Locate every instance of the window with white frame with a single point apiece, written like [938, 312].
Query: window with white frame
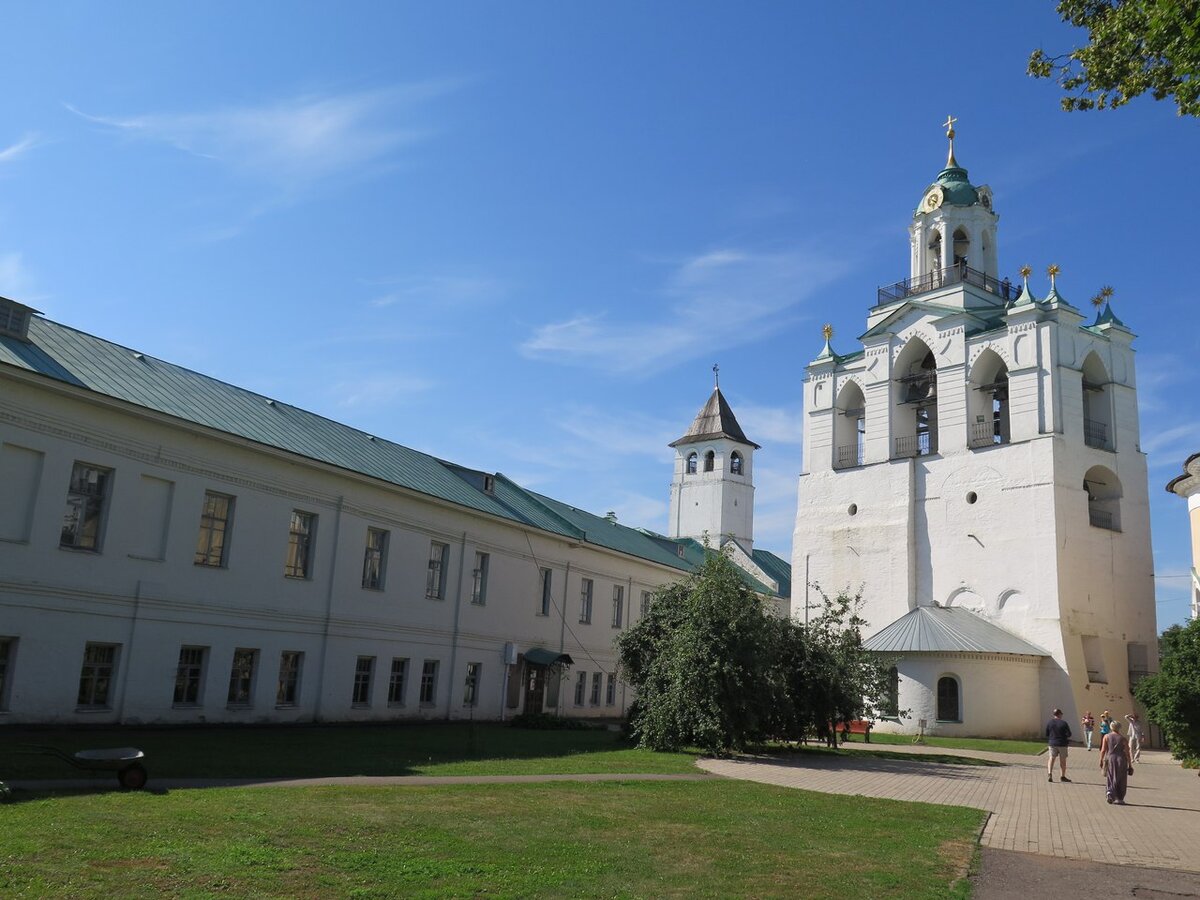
[479, 577]
[301, 532]
[435, 575]
[7, 646]
[374, 559]
[585, 601]
[546, 578]
[241, 677]
[83, 519]
[216, 516]
[288, 692]
[96, 675]
[429, 682]
[364, 668]
[189, 676]
[645, 602]
[471, 688]
[597, 680]
[610, 692]
[580, 687]
[618, 608]
[397, 682]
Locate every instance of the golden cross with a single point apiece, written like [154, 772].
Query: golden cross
[949, 126]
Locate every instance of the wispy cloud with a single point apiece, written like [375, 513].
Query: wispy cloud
[771, 425]
[717, 299]
[376, 390]
[436, 291]
[16, 281]
[15, 151]
[295, 142]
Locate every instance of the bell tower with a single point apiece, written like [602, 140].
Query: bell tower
[954, 226]
[712, 491]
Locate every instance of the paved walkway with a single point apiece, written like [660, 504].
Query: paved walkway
[1160, 826]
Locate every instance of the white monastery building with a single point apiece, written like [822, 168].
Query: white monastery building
[174, 549]
[1187, 486]
[974, 467]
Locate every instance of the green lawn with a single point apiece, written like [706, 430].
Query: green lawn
[310, 751]
[613, 839]
[950, 743]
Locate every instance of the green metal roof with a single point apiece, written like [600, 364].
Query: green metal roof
[70, 356]
[777, 568]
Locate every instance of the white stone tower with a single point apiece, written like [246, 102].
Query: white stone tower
[712, 492]
[974, 467]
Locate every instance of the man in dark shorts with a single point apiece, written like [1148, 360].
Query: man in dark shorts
[1058, 735]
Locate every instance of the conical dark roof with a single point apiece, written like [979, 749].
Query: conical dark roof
[715, 420]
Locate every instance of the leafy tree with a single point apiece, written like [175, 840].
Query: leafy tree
[703, 663]
[1172, 696]
[1134, 46]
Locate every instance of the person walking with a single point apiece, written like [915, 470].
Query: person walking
[1136, 736]
[1058, 735]
[1089, 725]
[1116, 763]
[1105, 724]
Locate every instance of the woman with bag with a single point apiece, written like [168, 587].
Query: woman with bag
[1117, 764]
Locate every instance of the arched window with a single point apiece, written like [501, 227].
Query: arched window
[850, 428]
[710, 460]
[962, 247]
[988, 402]
[735, 463]
[1097, 404]
[691, 463]
[949, 705]
[914, 419]
[1103, 490]
[892, 708]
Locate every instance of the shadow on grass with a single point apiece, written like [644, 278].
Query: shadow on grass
[889, 762]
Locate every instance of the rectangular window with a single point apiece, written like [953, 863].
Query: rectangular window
[546, 577]
[96, 676]
[363, 670]
[215, 518]
[374, 558]
[610, 693]
[288, 692]
[241, 677]
[580, 688]
[301, 532]
[597, 678]
[397, 681]
[189, 676]
[618, 605]
[6, 658]
[83, 519]
[429, 682]
[585, 601]
[479, 579]
[645, 603]
[471, 689]
[435, 576]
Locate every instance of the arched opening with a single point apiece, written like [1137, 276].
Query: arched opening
[1097, 404]
[949, 701]
[735, 463]
[892, 705]
[914, 411]
[987, 413]
[1103, 490]
[935, 255]
[710, 461]
[692, 459]
[849, 427]
[962, 247]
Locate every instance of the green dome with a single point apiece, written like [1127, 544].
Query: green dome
[959, 191]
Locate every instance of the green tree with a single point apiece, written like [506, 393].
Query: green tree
[1172, 696]
[1134, 46]
[704, 663]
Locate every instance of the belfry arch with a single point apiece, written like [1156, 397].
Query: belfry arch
[849, 427]
[914, 401]
[987, 402]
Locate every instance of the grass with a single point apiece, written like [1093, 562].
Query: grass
[313, 751]
[991, 745]
[614, 839]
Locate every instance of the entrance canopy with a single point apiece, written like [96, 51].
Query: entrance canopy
[540, 656]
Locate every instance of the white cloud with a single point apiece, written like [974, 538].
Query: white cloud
[435, 292]
[717, 299]
[771, 425]
[19, 149]
[295, 142]
[16, 281]
[375, 391]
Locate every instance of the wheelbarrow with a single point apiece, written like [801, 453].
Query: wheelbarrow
[125, 761]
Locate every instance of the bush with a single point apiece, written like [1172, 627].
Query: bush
[546, 722]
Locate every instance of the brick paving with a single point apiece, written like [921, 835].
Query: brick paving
[1159, 827]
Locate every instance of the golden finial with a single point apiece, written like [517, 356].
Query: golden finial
[827, 330]
[951, 162]
[1098, 300]
[1025, 271]
[1052, 270]
[1106, 292]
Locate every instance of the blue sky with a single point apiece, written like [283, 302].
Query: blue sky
[518, 236]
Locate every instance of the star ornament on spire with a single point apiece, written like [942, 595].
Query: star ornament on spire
[827, 330]
[1053, 270]
[1106, 292]
[1025, 271]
